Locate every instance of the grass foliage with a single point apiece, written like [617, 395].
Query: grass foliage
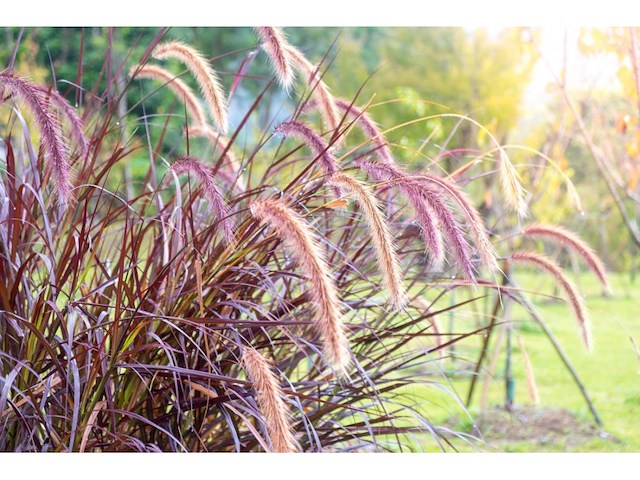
[180, 310]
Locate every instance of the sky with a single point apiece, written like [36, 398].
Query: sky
[593, 70]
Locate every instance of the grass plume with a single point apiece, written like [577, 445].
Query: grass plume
[386, 255]
[70, 114]
[206, 77]
[269, 396]
[511, 184]
[195, 167]
[315, 142]
[302, 244]
[326, 101]
[177, 86]
[274, 43]
[575, 299]
[50, 134]
[570, 240]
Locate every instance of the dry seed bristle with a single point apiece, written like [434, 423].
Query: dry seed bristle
[269, 396]
[203, 173]
[274, 43]
[303, 245]
[180, 88]
[206, 77]
[575, 299]
[573, 242]
[382, 240]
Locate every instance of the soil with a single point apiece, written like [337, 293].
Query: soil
[544, 426]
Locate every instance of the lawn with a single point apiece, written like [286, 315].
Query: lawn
[611, 374]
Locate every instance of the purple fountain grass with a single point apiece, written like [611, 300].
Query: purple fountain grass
[386, 254]
[573, 242]
[274, 43]
[369, 128]
[180, 88]
[430, 230]
[575, 299]
[326, 100]
[269, 396]
[426, 202]
[303, 246]
[131, 324]
[70, 113]
[219, 141]
[511, 185]
[485, 248]
[50, 134]
[315, 142]
[206, 77]
[195, 167]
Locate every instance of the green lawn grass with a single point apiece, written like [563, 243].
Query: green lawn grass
[611, 372]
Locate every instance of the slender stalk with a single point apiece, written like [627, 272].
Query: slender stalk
[497, 306]
[509, 381]
[531, 309]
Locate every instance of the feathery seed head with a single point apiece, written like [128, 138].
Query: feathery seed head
[50, 134]
[511, 184]
[76, 123]
[386, 254]
[269, 396]
[203, 173]
[572, 241]
[326, 100]
[315, 142]
[206, 77]
[304, 247]
[180, 88]
[575, 299]
[274, 43]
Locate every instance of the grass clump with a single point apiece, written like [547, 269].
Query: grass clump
[249, 307]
